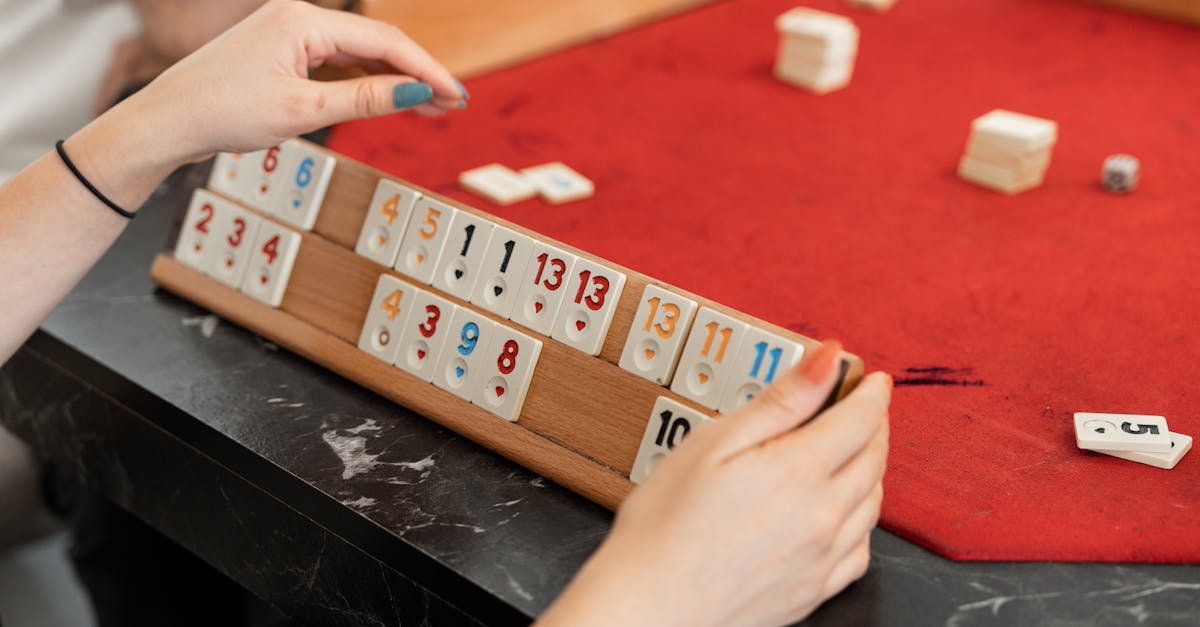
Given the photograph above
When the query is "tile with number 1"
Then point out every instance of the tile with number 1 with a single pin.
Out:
(542, 289)
(423, 337)
(457, 367)
(391, 207)
(301, 184)
(424, 238)
(386, 318)
(501, 270)
(505, 372)
(271, 263)
(656, 338)
(589, 303)
(711, 347)
(462, 254)
(762, 357)
(234, 231)
(670, 421)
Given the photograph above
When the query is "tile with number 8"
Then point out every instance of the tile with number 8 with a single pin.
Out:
(670, 421)
(391, 207)
(656, 338)
(710, 349)
(234, 231)
(424, 335)
(589, 303)
(462, 254)
(196, 235)
(302, 181)
(501, 270)
(424, 238)
(271, 262)
(762, 357)
(542, 288)
(458, 365)
(505, 371)
(386, 318)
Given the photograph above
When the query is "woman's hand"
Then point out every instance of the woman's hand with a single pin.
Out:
(755, 519)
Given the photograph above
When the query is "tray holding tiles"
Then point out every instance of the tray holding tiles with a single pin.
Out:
(579, 369)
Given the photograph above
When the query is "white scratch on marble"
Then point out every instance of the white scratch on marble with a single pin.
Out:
(362, 502)
(540, 482)
(207, 324)
(508, 503)
(369, 425)
(353, 453)
(515, 585)
(294, 405)
(275, 400)
(419, 465)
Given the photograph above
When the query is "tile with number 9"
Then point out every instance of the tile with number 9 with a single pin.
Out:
(458, 366)
(762, 357)
(587, 309)
(656, 338)
(383, 228)
(670, 421)
(501, 271)
(386, 318)
(234, 231)
(463, 252)
(710, 349)
(505, 372)
(424, 238)
(300, 188)
(542, 289)
(271, 262)
(424, 335)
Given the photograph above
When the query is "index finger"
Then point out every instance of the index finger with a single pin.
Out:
(840, 432)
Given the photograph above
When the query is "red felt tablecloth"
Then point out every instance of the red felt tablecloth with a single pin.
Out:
(841, 216)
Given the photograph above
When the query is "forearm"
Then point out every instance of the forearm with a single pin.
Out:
(52, 229)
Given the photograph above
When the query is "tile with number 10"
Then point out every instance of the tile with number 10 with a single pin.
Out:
(589, 303)
(670, 421)
(460, 359)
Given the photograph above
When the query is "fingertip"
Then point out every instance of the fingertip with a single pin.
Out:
(821, 363)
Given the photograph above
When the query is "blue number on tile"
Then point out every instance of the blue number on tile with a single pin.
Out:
(761, 350)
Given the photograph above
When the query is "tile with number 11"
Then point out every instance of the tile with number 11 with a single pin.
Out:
(705, 363)
(762, 357)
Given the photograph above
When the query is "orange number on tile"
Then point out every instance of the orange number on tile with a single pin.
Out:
(391, 304)
(431, 216)
(725, 333)
(391, 208)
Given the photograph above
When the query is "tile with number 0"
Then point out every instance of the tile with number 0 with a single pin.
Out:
(424, 335)
(458, 365)
(462, 255)
(588, 305)
(424, 238)
(391, 207)
(505, 371)
(656, 338)
(259, 173)
(542, 288)
(234, 231)
(708, 353)
(301, 183)
(1122, 432)
(196, 235)
(271, 262)
(387, 318)
(227, 174)
(670, 421)
(501, 270)
(762, 357)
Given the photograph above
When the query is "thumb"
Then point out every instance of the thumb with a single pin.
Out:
(370, 96)
(788, 403)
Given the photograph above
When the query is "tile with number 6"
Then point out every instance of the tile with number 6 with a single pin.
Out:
(762, 357)
(463, 252)
(424, 238)
(704, 365)
(196, 235)
(271, 262)
(234, 230)
(542, 288)
(301, 185)
(386, 318)
(588, 305)
(259, 173)
(390, 209)
(505, 372)
(424, 335)
(501, 271)
(656, 338)
(458, 366)
(670, 421)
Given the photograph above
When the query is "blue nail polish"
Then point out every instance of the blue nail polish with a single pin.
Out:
(409, 95)
(462, 90)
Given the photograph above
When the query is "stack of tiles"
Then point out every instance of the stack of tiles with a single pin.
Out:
(1008, 152)
(816, 50)
(1142, 439)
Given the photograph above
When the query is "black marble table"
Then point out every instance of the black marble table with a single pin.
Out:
(340, 508)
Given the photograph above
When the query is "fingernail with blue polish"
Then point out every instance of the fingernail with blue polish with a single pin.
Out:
(462, 90)
(409, 95)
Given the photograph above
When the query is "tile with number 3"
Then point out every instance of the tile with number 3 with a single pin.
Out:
(670, 421)
(387, 318)
(589, 303)
(501, 271)
(421, 342)
(656, 338)
(424, 238)
(301, 184)
(463, 252)
(762, 357)
(505, 371)
(458, 365)
(542, 289)
(711, 347)
(234, 231)
(383, 228)
(271, 262)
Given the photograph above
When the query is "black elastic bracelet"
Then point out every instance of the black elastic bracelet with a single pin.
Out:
(88, 184)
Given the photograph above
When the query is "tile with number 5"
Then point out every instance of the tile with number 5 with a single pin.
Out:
(301, 185)
(656, 338)
(462, 254)
(234, 231)
(670, 421)
(762, 357)
(424, 238)
(386, 318)
(196, 235)
(424, 335)
(271, 262)
(505, 372)
(542, 288)
(711, 347)
(589, 303)
(383, 228)
(501, 271)
(458, 366)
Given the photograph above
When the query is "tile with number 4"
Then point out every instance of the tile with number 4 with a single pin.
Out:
(501, 270)
(462, 255)
(383, 228)
(670, 421)
(301, 185)
(1122, 432)
(505, 372)
(424, 238)
(196, 235)
(542, 288)
(387, 318)
(458, 366)
(762, 357)
(656, 338)
(271, 262)
(260, 173)
(589, 303)
(234, 231)
(710, 349)
(424, 335)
